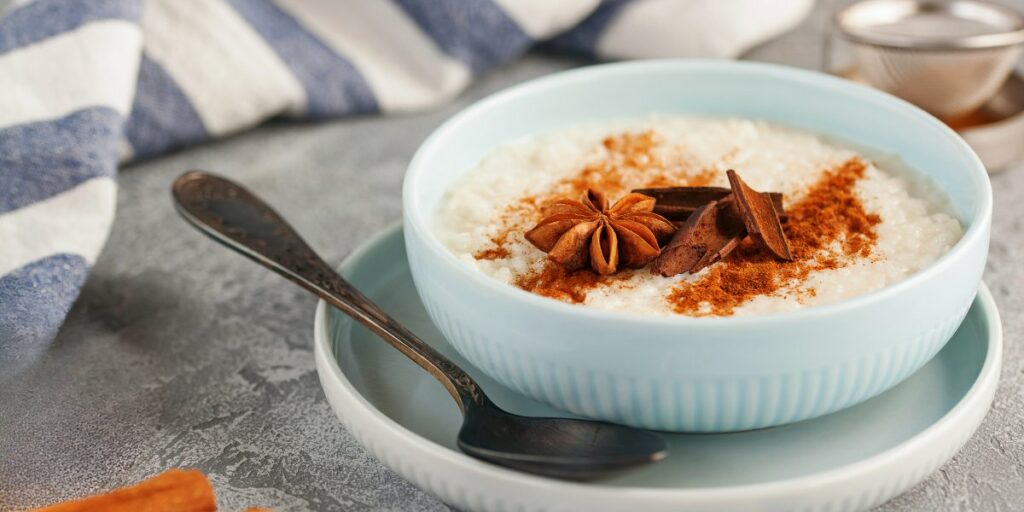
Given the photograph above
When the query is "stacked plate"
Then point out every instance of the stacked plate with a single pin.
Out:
(850, 460)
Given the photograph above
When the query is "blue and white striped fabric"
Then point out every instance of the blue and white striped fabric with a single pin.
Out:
(85, 84)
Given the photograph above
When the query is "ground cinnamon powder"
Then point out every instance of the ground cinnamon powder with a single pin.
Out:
(511, 225)
(498, 249)
(631, 161)
(626, 153)
(570, 286)
(828, 214)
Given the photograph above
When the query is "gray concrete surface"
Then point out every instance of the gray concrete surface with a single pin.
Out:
(181, 354)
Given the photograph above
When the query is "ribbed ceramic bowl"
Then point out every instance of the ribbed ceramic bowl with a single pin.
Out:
(697, 374)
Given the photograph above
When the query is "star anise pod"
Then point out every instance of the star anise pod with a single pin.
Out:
(577, 232)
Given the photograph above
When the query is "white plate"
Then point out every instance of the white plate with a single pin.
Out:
(850, 460)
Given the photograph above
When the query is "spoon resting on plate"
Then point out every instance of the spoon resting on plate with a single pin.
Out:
(556, 447)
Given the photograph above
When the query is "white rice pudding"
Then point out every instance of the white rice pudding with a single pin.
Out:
(484, 216)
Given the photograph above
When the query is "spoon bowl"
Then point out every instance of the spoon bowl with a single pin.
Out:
(555, 447)
(558, 447)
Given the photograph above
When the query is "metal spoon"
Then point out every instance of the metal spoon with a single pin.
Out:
(555, 447)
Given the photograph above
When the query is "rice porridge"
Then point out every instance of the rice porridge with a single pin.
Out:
(852, 224)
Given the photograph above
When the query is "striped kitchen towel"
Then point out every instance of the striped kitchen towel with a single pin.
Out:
(86, 84)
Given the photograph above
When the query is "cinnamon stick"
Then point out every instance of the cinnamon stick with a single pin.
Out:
(711, 232)
(174, 490)
(760, 217)
(678, 203)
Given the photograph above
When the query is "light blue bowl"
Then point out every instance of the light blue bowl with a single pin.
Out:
(698, 374)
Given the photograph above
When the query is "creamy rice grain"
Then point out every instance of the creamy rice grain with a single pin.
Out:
(483, 217)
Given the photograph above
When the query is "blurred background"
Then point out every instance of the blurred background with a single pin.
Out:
(161, 361)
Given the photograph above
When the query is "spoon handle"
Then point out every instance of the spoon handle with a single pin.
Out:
(235, 217)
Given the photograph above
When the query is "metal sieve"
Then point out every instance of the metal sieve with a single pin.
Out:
(946, 57)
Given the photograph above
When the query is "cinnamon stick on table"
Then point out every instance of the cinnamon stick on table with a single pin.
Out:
(174, 490)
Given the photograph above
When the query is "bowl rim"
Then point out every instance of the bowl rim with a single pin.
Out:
(415, 220)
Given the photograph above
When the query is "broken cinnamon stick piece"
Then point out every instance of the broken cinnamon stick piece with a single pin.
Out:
(710, 233)
(760, 217)
(731, 231)
(678, 203)
(174, 490)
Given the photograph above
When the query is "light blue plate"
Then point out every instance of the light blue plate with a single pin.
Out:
(942, 404)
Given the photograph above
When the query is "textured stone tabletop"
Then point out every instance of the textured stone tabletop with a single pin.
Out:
(179, 353)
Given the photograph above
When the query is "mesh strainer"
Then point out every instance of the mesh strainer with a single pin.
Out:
(946, 57)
